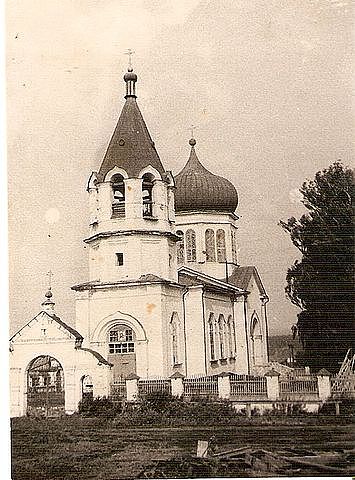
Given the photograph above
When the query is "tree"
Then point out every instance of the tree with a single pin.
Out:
(321, 284)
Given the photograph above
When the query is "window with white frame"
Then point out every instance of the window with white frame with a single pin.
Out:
(222, 336)
(234, 248)
(190, 245)
(180, 247)
(211, 333)
(210, 245)
(221, 245)
(121, 339)
(231, 336)
(175, 338)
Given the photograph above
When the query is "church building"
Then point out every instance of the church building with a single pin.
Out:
(165, 291)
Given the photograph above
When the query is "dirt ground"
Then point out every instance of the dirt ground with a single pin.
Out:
(85, 448)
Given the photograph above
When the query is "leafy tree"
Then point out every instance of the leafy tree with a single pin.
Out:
(321, 284)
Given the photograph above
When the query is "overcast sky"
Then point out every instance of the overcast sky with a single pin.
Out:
(267, 82)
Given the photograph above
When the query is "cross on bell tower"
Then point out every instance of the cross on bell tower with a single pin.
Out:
(130, 53)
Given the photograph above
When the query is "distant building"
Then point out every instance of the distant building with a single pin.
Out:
(165, 293)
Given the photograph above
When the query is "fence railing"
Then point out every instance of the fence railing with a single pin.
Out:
(307, 385)
(246, 386)
(118, 389)
(232, 386)
(343, 387)
(146, 386)
(201, 386)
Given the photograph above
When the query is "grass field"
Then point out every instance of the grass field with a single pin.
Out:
(74, 447)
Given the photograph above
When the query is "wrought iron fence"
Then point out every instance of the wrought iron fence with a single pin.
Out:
(308, 385)
(247, 386)
(201, 386)
(146, 386)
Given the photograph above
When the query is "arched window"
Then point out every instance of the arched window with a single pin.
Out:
(222, 336)
(190, 246)
(211, 333)
(210, 245)
(118, 190)
(147, 194)
(180, 247)
(231, 336)
(175, 338)
(257, 340)
(234, 248)
(121, 339)
(221, 245)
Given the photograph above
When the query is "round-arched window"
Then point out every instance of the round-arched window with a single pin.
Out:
(121, 339)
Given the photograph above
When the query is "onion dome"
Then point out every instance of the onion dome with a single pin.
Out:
(199, 189)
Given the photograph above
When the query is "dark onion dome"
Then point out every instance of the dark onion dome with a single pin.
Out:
(199, 189)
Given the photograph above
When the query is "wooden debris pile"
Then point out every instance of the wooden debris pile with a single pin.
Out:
(252, 462)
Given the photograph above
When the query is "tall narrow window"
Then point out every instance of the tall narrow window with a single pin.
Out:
(211, 332)
(221, 246)
(175, 340)
(234, 248)
(210, 245)
(190, 245)
(221, 336)
(231, 336)
(118, 190)
(180, 247)
(147, 194)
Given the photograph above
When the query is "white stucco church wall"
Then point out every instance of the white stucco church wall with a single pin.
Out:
(165, 292)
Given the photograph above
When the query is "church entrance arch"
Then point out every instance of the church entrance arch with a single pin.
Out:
(121, 351)
(45, 387)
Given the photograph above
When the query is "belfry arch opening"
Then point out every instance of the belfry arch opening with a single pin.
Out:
(45, 387)
(147, 194)
(118, 195)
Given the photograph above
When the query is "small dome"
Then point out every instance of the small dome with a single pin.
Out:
(130, 76)
(199, 189)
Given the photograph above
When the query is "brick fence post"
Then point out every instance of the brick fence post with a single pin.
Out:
(272, 385)
(324, 387)
(177, 384)
(224, 386)
(132, 387)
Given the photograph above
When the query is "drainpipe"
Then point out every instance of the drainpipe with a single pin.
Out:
(204, 329)
(264, 301)
(184, 318)
(246, 330)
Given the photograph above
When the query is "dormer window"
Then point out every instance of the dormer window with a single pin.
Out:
(147, 194)
(118, 193)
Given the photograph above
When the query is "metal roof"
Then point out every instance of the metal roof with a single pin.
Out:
(131, 146)
(199, 189)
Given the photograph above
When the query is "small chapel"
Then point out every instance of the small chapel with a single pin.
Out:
(165, 292)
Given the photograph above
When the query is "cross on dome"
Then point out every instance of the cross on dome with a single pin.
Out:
(130, 53)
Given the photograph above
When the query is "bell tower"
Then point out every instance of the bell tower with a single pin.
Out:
(131, 201)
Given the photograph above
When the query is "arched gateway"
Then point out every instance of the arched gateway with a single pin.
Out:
(45, 387)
